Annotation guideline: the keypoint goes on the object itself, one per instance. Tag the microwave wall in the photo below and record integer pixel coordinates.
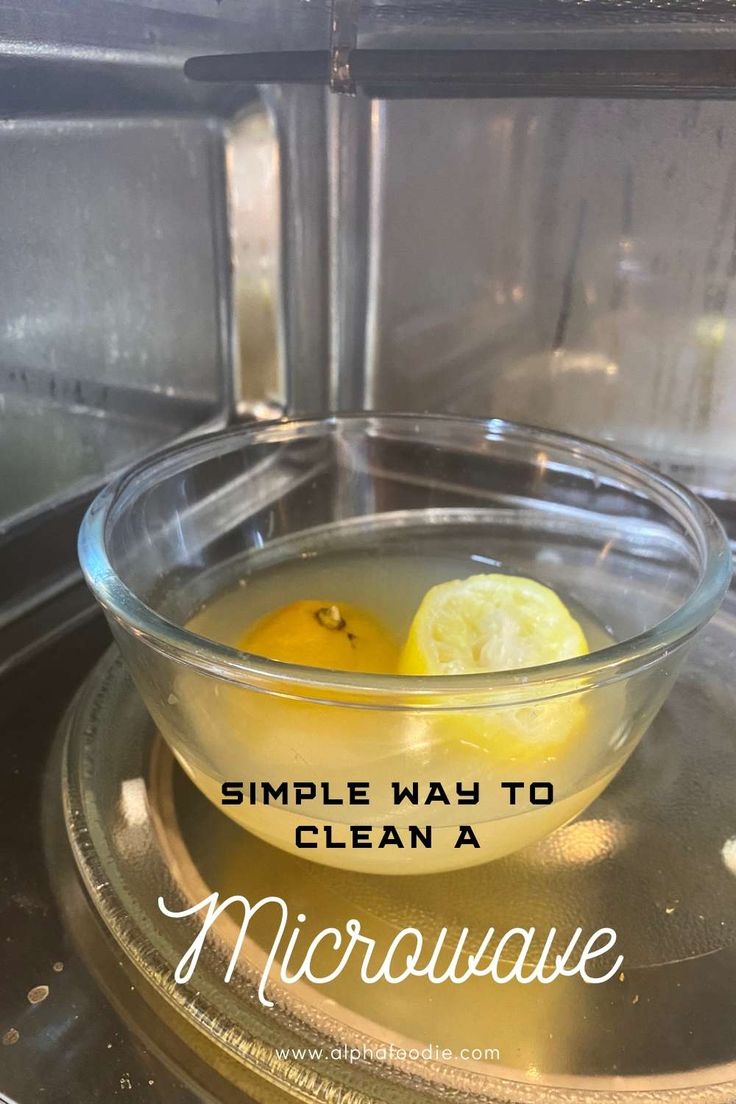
(568, 263)
(564, 262)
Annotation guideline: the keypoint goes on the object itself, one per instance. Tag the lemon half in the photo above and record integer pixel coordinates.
(492, 623)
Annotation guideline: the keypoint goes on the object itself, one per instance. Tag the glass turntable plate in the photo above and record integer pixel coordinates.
(654, 858)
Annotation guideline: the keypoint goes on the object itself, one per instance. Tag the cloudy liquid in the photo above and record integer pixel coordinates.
(262, 738)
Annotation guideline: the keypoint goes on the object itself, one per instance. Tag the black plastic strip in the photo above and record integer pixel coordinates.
(453, 73)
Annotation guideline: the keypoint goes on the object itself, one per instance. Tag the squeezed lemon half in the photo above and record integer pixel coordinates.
(489, 623)
(492, 623)
(339, 637)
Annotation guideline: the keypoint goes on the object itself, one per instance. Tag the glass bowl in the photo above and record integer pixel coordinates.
(177, 550)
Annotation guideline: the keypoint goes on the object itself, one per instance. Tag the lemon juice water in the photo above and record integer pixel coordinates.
(279, 739)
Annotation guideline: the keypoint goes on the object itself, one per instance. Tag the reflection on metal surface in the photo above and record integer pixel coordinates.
(350, 163)
(565, 263)
(300, 121)
(254, 184)
(728, 852)
(134, 802)
(581, 843)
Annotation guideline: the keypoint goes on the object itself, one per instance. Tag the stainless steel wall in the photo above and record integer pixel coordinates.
(564, 262)
(109, 251)
(114, 306)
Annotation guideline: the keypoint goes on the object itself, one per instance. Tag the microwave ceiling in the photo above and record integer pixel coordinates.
(491, 48)
(83, 57)
(109, 55)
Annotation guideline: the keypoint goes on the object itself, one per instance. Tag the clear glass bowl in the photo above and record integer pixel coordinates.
(641, 560)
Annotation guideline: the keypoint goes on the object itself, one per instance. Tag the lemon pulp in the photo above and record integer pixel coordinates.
(489, 623)
(492, 623)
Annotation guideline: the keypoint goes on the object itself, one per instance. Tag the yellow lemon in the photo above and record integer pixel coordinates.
(337, 636)
(492, 623)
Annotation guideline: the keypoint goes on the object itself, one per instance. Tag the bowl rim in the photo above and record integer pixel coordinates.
(479, 690)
